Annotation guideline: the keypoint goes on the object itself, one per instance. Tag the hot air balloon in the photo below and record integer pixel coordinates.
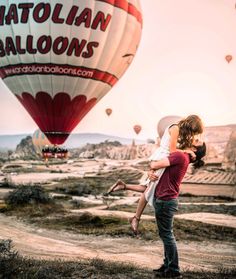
(137, 128)
(166, 121)
(108, 111)
(228, 58)
(40, 141)
(60, 57)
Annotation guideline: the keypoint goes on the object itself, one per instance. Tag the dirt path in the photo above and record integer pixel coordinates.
(40, 243)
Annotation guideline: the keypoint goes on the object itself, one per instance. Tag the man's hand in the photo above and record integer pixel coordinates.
(152, 176)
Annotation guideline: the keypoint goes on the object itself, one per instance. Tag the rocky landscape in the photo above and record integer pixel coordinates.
(220, 140)
(205, 225)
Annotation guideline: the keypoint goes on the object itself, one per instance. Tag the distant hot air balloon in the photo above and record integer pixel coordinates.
(166, 121)
(228, 58)
(137, 129)
(40, 141)
(108, 111)
(60, 57)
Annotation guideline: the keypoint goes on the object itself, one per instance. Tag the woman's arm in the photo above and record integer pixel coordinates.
(174, 133)
(155, 165)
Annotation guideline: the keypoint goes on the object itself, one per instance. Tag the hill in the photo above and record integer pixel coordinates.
(9, 142)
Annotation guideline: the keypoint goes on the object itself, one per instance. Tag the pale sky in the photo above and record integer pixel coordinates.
(179, 69)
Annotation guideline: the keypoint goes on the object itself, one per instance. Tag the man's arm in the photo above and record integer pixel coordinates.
(155, 165)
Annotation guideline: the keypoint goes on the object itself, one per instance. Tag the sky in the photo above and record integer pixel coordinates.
(179, 69)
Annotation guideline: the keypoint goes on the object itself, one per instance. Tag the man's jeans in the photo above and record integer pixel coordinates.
(164, 212)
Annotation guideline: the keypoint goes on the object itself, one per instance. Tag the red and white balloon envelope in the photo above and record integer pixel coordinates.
(60, 57)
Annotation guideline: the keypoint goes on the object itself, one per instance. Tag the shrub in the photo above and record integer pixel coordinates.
(77, 189)
(7, 182)
(8, 259)
(27, 194)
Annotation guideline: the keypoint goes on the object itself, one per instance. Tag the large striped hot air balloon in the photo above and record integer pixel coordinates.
(60, 57)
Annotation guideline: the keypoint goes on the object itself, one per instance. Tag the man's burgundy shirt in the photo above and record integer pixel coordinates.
(169, 184)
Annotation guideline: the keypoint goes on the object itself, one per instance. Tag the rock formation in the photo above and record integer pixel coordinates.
(25, 150)
(220, 140)
(229, 160)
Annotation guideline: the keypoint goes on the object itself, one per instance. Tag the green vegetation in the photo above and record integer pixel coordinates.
(27, 194)
(203, 206)
(30, 201)
(56, 218)
(187, 197)
(220, 209)
(187, 230)
(96, 184)
(86, 223)
(7, 183)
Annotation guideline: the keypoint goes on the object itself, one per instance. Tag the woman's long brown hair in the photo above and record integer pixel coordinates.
(188, 128)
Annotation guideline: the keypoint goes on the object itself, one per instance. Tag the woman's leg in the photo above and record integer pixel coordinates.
(120, 185)
(141, 205)
(134, 222)
(136, 188)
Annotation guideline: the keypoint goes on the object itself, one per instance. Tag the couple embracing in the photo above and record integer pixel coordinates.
(180, 146)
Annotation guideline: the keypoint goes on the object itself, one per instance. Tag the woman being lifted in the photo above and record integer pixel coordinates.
(177, 137)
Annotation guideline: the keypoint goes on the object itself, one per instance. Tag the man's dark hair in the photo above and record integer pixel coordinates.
(200, 153)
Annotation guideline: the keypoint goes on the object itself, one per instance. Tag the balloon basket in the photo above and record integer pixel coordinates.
(54, 152)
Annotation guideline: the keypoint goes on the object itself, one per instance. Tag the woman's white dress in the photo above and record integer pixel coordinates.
(160, 153)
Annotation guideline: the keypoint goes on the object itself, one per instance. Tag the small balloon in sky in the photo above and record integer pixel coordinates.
(108, 111)
(59, 58)
(137, 128)
(228, 58)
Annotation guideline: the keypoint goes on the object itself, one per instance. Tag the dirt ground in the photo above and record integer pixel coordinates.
(40, 243)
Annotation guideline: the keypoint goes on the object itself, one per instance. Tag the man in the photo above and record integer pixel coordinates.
(166, 203)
